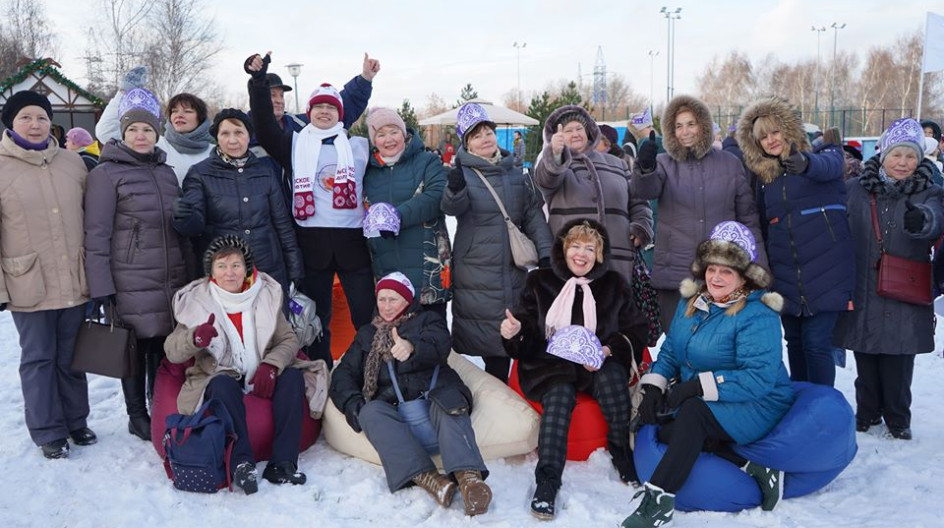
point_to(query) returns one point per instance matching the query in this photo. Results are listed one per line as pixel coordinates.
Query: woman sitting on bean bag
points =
(232, 324)
(411, 343)
(724, 346)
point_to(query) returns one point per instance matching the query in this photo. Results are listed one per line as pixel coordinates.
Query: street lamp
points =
(652, 55)
(819, 33)
(670, 18)
(295, 69)
(519, 47)
(832, 84)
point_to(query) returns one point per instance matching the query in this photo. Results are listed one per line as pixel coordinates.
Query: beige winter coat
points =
(41, 235)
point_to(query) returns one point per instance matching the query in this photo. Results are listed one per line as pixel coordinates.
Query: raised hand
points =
(370, 68)
(204, 333)
(456, 178)
(510, 326)
(402, 349)
(647, 154)
(796, 162)
(914, 218)
(257, 63)
(557, 141)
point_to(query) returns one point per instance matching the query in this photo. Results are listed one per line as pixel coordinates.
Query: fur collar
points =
(766, 167)
(773, 300)
(559, 266)
(671, 144)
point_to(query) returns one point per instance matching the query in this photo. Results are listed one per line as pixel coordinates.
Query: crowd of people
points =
(192, 229)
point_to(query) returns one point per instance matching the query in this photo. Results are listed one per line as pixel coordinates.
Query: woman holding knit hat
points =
(78, 140)
(580, 288)
(696, 187)
(485, 279)
(724, 348)
(231, 325)
(42, 280)
(326, 168)
(398, 357)
(403, 174)
(801, 199)
(134, 258)
(894, 209)
(235, 193)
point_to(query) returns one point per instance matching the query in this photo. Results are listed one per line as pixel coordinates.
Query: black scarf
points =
(874, 180)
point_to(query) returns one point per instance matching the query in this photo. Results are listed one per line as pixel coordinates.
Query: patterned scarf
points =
(705, 299)
(380, 351)
(235, 162)
(875, 180)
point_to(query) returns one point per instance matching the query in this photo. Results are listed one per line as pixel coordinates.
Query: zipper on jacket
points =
(793, 250)
(822, 210)
(133, 243)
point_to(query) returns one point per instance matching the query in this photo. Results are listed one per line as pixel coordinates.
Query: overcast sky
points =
(434, 46)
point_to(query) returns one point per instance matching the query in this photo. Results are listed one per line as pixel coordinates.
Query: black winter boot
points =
(542, 503)
(246, 477)
(139, 423)
(152, 362)
(283, 473)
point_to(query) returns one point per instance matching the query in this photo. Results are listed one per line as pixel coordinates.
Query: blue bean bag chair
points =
(813, 443)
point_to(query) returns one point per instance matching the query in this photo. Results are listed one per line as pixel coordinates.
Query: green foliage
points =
(569, 96)
(359, 128)
(468, 93)
(408, 115)
(539, 108)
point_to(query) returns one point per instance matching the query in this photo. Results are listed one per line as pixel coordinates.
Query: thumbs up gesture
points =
(402, 349)
(796, 162)
(510, 326)
(557, 141)
(205, 332)
(370, 68)
(646, 159)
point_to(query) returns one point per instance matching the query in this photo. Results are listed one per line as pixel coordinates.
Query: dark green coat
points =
(414, 185)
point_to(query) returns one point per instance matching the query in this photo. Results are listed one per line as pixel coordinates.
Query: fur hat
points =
(381, 117)
(471, 115)
(326, 94)
(227, 242)
(79, 137)
(757, 161)
(904, 132)
(20, 100)
(733, 245)
(566, 114)
(673, 147)
(139, 106)
(399, 283)
(935, 128)
(230, 113)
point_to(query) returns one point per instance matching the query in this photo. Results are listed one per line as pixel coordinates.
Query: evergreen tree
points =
(408, 115)
(539, 108)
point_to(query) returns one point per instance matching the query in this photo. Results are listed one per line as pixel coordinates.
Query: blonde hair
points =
(586, 233)
(763, 125)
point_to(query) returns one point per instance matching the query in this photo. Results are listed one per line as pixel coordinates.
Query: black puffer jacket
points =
(246, 202)
(131, 248)
(617, 316)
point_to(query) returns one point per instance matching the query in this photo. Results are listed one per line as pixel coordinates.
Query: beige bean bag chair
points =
(505, 425)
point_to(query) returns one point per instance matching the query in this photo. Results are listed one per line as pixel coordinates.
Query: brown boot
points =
(441, 487)
(476, 495)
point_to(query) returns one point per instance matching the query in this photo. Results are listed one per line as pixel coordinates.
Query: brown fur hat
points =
(768, 167)
(702, 116)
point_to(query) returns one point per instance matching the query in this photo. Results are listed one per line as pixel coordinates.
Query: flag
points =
(642, 119)
(934, 44)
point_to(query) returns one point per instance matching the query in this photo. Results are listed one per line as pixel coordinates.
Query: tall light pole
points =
(832, 84)
(819, 33)
(652, 56)
(519, 47)
(295, 69)
(670, 17)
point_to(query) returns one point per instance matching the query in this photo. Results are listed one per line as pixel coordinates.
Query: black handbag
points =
(106, 348)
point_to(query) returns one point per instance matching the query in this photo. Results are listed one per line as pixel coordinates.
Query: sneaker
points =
(83, 437)
(655, 510)
(863, 425)
(770, 482)
(542, 504)
(246, 477)
(901, 433)
(56, 449)
(283, 473)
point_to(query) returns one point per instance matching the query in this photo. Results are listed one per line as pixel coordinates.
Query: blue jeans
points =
(809, 347)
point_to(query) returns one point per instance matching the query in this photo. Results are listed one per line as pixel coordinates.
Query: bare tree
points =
(25, 33)
(116, 43)
(184, 47)
(727, 82)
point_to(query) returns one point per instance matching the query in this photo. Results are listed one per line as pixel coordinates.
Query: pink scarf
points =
(558, 316)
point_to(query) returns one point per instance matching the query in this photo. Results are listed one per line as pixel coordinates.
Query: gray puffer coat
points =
(132, 249)
(485, 279)
(879, 325)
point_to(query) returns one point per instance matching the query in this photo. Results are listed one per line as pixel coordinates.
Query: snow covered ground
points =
(121, 482)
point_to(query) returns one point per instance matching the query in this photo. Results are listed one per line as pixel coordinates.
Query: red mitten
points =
(263, 382)
(204, 333)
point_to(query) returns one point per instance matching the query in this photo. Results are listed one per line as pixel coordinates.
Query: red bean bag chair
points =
(587, 425)
(170, 378)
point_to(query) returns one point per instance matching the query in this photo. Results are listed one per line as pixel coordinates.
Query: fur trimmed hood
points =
(724, 253)
(702, 116)
(766, 167)
(593, 130)
(559, 266)
(689, 288)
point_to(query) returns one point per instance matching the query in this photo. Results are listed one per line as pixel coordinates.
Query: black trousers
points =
(498, 366)
(358, 287)
(288, 408)
(883, 388)
(693, 431)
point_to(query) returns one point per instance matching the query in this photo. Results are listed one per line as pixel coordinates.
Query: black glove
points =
(3, 307)
(456, 178)
(182, 209)
(653, 403)
(100, 305)
(647, 154)
(683, 391)
(544, 262)
(265, 66)
(914, 218)
(796, 162)
(351, 410)
(389, 235)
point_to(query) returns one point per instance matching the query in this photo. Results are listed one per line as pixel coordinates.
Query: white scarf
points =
(306, 149)
(559, 314)
(245, 351)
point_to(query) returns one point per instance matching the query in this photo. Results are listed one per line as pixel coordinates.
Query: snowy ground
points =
(121, 482)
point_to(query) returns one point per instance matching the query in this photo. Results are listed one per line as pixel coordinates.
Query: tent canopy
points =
(498, 114)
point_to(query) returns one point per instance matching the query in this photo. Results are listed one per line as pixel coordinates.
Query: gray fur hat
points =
(227, 242)
(731, 244)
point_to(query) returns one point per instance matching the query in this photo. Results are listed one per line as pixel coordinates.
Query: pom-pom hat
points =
(399, 283)
(326, 94)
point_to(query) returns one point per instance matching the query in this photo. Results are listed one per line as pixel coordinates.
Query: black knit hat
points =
(20, 100)
(610, 134)
(227, 242)
(230, 113)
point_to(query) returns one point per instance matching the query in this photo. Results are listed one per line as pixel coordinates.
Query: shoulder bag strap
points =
(396, 386)
(875, 227)
(491, 190)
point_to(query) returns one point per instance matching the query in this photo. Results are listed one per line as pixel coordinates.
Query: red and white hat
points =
(326, 94)
(399, 283)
